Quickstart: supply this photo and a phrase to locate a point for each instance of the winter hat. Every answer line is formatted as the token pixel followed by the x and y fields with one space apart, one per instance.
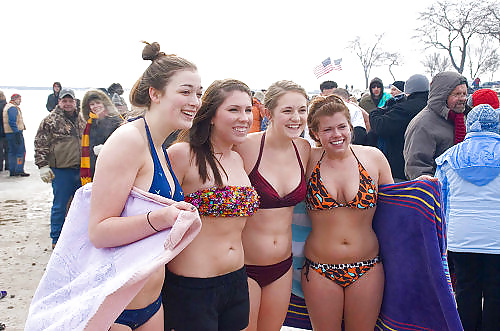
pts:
pixel 483 118
pixel 115 88
pixel 483 96
pixel 67 92
pixel 117 101
pixel 376 82
pixel 399 84
pixel 416 83
pixel 259 95
pixel 15 96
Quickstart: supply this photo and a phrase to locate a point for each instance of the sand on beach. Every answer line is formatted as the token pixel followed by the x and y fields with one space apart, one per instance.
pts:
pixel 25 204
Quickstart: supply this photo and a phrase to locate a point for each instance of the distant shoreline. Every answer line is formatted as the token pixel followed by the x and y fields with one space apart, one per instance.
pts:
pixel 42 88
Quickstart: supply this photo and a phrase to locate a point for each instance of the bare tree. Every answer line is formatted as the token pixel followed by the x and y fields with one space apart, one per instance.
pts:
pixel 451 26
pixel 393 59
pixel 434 63
pixel 369 55
pixel 483 59
pixel 492 26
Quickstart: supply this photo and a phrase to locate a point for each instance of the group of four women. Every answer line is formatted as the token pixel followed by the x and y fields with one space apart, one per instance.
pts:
pixel 237 272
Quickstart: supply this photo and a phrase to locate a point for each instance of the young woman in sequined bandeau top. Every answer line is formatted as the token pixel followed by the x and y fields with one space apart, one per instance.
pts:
pixel 206 284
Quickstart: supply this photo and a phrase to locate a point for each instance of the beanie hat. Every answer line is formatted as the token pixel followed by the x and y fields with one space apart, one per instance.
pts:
pixel 483 118
pixel 399 84
pixel 117 101
pixel 376 82
pixel 484 96
pixel 416 83
pixel 15 96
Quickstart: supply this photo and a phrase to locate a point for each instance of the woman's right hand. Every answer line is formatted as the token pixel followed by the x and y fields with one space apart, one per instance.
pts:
pixel 182 205
pixel 164 218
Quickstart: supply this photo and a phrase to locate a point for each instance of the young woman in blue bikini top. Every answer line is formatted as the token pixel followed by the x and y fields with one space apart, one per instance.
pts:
pixel 170 90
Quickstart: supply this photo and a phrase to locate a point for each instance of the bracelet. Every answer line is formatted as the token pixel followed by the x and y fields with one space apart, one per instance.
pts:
pixel 149 222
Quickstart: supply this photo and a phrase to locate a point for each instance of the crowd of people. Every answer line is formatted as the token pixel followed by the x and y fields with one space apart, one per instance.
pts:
pixel 244 160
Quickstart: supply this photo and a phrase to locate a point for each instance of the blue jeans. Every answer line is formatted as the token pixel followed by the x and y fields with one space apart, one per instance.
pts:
pixel 66 182
pixel 16 152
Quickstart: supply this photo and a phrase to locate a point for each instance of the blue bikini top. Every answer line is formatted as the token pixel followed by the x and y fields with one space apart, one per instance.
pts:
pixel 160 184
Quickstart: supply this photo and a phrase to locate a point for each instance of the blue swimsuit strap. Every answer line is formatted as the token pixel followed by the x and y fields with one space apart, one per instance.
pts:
pixel 158 169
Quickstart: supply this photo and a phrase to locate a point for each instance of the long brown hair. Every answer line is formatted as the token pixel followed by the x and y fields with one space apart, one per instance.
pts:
pixel 199 134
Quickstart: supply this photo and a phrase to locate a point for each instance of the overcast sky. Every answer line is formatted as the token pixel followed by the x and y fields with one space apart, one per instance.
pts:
pixel 95 43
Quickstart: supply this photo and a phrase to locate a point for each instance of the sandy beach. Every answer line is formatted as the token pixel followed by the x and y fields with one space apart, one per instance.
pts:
pixel 25 244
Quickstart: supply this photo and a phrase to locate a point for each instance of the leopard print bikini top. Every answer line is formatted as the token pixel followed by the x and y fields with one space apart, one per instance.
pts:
pixel 318 197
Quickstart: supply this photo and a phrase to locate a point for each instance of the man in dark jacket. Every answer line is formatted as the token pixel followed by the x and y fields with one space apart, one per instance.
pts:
pixel 376 98
pixel 390 125
pixel 53 98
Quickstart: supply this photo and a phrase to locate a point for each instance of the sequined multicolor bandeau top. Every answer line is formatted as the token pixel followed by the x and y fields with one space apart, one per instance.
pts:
pixel 227 201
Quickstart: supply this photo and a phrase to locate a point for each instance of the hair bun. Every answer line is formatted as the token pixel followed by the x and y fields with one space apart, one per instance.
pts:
pixel 151 51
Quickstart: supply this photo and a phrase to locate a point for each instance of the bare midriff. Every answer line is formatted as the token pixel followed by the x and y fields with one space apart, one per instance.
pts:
pixel 216 250
pixel 341 235
pixel 267 237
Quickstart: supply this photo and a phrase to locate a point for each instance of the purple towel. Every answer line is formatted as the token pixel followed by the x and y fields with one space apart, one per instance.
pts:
pixel 412 237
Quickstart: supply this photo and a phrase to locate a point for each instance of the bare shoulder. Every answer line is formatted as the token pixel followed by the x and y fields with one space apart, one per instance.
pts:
pixel 374 160
pixel 251 141
pixel 314 157
pixel 249 150
pixel 304 148
pixel 315 154
pixel 179 153
pixel 368 152
pixel 119 162
pixel 126 142
pixel 302 144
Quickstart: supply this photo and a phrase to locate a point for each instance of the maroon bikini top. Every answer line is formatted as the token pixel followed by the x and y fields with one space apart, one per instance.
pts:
pixel 269 198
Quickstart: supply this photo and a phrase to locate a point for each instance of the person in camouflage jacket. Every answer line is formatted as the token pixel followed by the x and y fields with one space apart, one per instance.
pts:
pixel 57 155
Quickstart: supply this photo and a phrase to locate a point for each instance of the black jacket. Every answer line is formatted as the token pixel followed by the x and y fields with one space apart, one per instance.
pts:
pixel 391 125
pixel 2 105
pixel 52 101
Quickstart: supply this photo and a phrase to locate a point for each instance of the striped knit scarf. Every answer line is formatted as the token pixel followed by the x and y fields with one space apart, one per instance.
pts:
pixel 85 160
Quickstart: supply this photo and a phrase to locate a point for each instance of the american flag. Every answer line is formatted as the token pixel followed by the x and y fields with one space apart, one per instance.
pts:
pixel 324 68
pixel 337 64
